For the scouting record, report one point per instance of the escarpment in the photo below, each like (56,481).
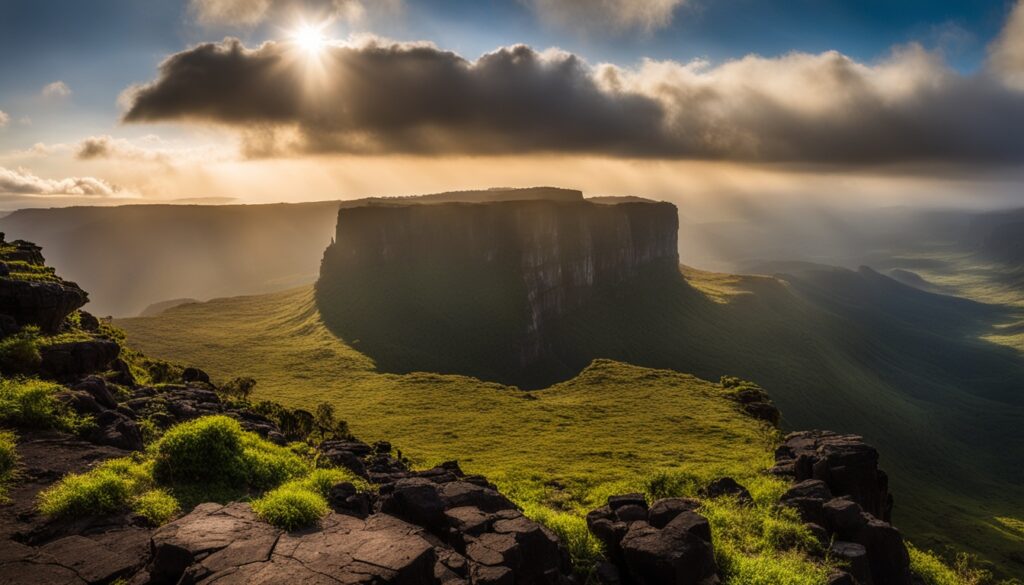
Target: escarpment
(441,286)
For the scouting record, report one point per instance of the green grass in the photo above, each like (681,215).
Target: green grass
(32,403)
(563,448)
(207,459)
(8,461)
(19,353)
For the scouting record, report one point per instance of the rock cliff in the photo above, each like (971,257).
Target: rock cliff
(515,267)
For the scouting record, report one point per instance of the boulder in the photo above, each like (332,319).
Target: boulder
(195,375)
(97,388)
(666,544)
(44,304)
(74,359)
(727,486)
(854,557)
(679,554)
(117,430)
(665,510)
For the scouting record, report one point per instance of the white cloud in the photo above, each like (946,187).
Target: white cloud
(57,89)
(248,13)
(4,118)
(22,181)
(606,15)
(1007,52)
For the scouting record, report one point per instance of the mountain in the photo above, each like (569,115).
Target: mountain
(477,287)
(116,467)
(133,256)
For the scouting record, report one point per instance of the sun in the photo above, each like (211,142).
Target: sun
(310,39)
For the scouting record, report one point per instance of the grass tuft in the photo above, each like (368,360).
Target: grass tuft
(291,506)
(8,461)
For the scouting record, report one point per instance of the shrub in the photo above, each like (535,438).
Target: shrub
(101,490)
(156,505)
(8,461)
(19,353)
(240,388)
(268,465)
(291,506)
(215,450)
(207,449)
(322,480)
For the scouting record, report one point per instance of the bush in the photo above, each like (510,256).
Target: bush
(240,388)
(8,461)
(207,449)
(156,505)
(100,491)
(19,353)
(31,403)
(291,506)
(215,450)
(322,480)
(268,465)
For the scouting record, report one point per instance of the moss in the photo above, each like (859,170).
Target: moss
(291,506)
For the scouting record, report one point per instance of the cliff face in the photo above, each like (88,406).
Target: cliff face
(522,264)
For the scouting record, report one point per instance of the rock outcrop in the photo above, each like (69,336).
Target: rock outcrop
(44,303)
(843,495)
(666,544)
(447,269)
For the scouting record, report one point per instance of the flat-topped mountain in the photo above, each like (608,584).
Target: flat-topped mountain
(485,280)
(168,252)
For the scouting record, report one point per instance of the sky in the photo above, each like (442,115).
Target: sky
(696,101)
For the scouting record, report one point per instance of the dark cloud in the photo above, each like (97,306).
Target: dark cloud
(381,97)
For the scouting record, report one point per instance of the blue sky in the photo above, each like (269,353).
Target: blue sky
(816,109)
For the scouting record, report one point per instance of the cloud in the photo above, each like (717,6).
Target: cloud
(108,147)
(4,118)
(22,181)
(606,15)
(1007,52)
(248,13)
(149,148)
(56,90)
(372,96)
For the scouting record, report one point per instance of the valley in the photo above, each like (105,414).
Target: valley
(821,363)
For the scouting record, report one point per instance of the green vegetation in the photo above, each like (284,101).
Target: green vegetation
(561,450)
(21,270)
(8,461)
(19,353)
(291,507)
(301,502)
(32,403)
(208,459)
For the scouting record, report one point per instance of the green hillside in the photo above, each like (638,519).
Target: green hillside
(826,366)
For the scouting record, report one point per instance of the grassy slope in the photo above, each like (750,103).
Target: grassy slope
(611,424)
(585,438)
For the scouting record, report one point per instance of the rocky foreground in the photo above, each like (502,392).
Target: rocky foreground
(435,526)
